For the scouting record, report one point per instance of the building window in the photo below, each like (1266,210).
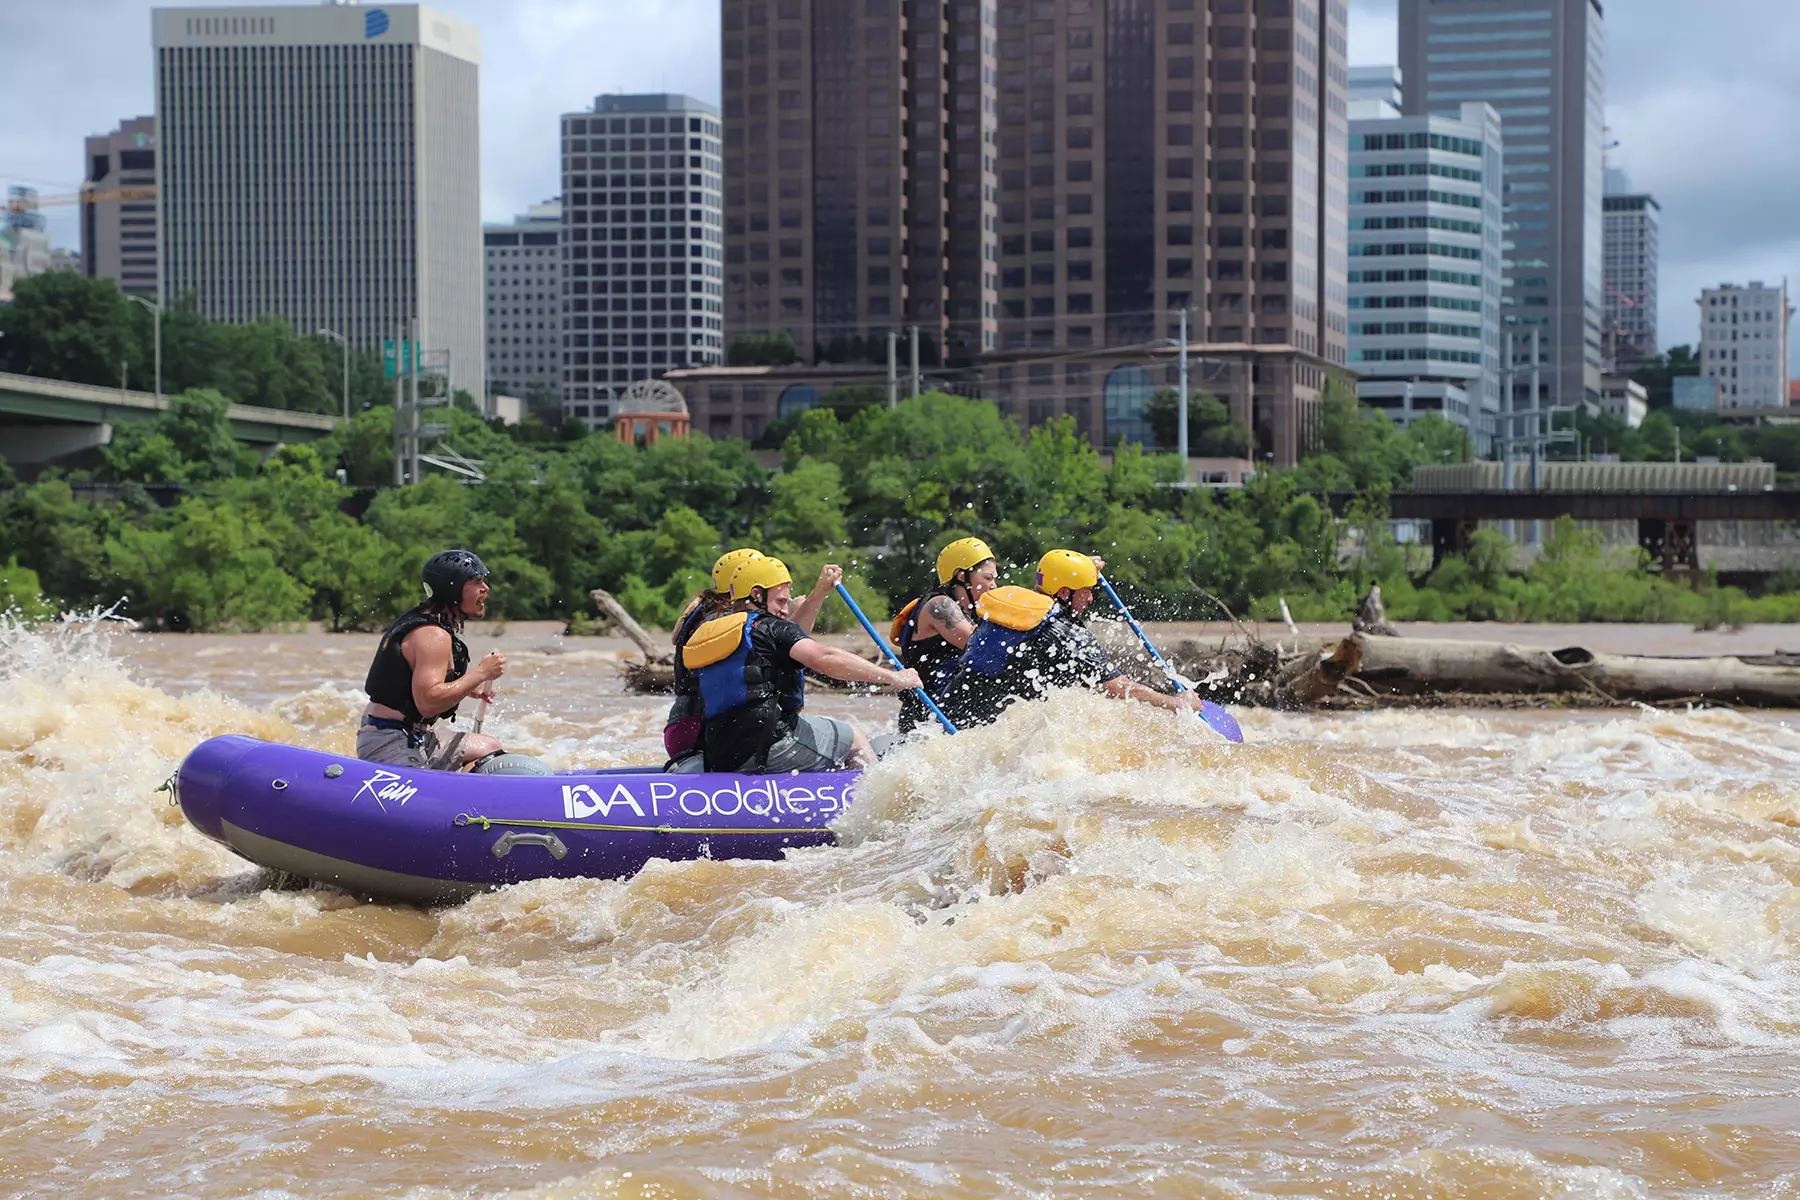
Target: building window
(1128,392)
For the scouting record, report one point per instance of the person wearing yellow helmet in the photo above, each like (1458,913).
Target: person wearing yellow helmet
(1030,642)
(749,670)
(932,629)
(681,731)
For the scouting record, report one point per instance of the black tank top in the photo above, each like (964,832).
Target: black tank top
(390,676)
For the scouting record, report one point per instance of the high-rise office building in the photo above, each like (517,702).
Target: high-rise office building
(1026,182)
(323,164)
(524,302)
(642,246)
(118,215)
(1629,273)
(1541,64)
(1425,266)
(1744,344)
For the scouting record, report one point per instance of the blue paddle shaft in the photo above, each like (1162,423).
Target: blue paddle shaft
(857,612)
(1221,721)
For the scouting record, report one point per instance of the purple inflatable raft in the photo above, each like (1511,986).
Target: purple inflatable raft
(436,837)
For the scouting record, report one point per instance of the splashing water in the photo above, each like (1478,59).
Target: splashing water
(1090,950)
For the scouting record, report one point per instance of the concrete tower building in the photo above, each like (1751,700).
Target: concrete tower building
(1027,182)
(1541,64)
(1425,274)
(118,224)
(642,247)
(1744,344)
(1630,266)
(323,164)
(524,302)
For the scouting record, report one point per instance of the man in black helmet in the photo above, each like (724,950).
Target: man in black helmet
(421,673)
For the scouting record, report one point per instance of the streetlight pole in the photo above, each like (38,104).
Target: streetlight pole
(156,318)
(340,340)
(1181,415)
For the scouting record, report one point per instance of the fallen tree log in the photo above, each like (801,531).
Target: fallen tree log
(1310,678)
(652,650)
(1416,666)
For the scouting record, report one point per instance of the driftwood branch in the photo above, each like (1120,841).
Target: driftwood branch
(1372,618)
(603,600)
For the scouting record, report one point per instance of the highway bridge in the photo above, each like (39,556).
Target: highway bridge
(47,420)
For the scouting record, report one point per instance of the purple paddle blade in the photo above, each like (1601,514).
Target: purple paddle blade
(1222,722)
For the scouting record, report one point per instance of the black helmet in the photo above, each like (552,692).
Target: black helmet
(446,573)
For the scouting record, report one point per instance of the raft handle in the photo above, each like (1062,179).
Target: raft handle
(548,841)
(279,785)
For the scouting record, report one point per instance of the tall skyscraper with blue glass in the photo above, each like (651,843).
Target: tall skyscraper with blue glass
(1540,64)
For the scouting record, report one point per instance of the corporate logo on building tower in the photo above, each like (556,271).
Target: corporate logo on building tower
(375,23)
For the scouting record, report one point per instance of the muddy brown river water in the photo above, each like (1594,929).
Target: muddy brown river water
(1091,951)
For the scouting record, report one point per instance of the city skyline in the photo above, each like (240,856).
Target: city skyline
(1696,108)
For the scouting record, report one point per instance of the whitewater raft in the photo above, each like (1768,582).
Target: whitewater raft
(438,837)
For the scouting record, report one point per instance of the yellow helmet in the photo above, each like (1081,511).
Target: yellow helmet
(727,566)
(1061,569)
(759,572)
(964,554)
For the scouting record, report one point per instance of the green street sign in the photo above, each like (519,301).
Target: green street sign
(388,359)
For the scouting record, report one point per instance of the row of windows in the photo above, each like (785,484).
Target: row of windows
(1418,354)
(586,125)
(1399,249)
(1415,275)
(1391,328)
(1420,141)
(1377,170)
(1416,196)
(1450,302)
(1444,223)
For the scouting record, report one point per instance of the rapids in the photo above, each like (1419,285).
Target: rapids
(1090,951)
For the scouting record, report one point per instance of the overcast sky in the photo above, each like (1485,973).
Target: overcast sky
(1702,95)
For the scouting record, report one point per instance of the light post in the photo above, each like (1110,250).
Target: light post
(156,317)
(340,340)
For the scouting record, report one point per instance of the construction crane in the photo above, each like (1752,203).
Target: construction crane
(24,200)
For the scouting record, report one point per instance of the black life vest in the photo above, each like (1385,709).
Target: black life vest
(390,675)
(750,702)
(932,657)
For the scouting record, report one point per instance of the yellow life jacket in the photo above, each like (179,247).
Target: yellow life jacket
(1015,608)
(899,625)
(715,641)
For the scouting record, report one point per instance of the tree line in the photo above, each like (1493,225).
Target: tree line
(250,544)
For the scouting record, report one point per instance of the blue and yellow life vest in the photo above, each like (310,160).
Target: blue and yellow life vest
(731,674)
(999,665)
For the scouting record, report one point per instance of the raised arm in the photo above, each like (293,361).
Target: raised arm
(806,613)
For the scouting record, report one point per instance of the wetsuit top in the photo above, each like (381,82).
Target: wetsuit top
(932,657)
(390,675)
(1003,666)
(752,688)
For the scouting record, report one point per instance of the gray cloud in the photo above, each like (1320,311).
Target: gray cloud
(1699,96)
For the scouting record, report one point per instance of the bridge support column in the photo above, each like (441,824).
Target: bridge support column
(35,445)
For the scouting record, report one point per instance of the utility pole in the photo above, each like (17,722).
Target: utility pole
(1181,412)
(1506,429)
(412,426)
(156,318)
(1537,432)
(344,342)
(915,363)
(400,352)
(893,340)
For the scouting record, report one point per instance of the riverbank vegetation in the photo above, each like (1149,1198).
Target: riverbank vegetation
(195,533)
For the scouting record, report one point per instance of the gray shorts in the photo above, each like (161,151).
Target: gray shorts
(427,749)
(817,744)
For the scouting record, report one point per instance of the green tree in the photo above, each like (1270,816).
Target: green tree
(762,350)
(64,325)
(807,507)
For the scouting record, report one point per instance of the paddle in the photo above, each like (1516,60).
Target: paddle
(1222,722)
(893,658)
(480,715)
